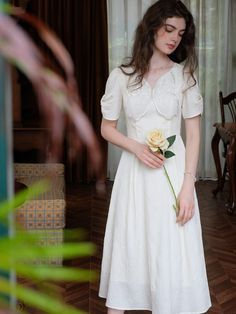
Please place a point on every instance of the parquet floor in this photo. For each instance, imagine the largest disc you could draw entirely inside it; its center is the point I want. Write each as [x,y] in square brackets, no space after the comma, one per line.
[88,210]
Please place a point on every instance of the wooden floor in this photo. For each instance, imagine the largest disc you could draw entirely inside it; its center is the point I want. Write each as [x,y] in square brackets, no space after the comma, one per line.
[88,210]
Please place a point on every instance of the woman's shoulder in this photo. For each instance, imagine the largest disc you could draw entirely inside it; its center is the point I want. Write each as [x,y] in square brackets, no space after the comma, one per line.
[183,74]
[179,67]
[119,73]
[115,72]
[183,71]
[114,78]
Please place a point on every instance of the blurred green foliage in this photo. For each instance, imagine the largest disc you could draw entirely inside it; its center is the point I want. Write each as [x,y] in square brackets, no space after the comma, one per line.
[20,253]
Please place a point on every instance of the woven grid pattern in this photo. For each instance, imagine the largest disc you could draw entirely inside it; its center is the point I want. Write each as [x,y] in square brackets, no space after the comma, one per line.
[38,170]
[46,238]
[45,211]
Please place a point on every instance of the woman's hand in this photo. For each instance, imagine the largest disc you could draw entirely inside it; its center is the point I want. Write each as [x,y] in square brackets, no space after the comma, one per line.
[186,205]
[147,157]
[142,152]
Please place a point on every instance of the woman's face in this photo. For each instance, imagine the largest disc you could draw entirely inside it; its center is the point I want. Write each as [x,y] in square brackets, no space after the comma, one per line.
[168,37]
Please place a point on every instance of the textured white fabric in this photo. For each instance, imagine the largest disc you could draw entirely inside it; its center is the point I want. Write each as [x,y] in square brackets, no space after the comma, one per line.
[149,261]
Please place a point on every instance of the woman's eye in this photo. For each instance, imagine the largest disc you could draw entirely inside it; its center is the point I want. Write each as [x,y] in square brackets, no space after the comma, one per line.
[169,30]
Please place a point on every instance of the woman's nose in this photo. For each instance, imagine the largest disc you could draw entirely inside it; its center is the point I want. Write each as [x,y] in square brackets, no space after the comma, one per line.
[175,36]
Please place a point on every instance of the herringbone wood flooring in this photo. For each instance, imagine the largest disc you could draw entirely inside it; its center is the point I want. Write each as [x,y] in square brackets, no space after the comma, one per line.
[88,210]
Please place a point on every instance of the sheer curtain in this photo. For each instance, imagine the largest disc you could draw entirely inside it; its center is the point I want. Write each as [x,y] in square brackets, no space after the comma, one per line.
[214,32]
[123,17]
[215,22]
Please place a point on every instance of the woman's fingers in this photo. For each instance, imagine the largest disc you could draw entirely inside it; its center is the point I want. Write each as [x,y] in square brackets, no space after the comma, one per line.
[185,214]
[185,205]
[160,156]
[153,160]
[150,159]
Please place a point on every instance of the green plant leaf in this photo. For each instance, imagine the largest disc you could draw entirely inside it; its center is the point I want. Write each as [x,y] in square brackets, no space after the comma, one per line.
[19,250]
[74,234]
[169,154]
[9,206]
[42,301]
[171,140]
[38,272]
[5,8]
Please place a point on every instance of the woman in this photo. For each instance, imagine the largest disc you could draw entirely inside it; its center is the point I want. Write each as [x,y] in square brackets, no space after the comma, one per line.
[153,257]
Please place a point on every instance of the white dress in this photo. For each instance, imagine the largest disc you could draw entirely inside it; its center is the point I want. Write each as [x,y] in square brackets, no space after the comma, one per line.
[149,261]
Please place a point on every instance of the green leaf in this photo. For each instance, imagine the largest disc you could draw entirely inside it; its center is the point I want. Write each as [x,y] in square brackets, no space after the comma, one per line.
[56,273]
[42,301]
[169,154]
[71,235]
[20,250]
[63,273]
[6,8]
[171,140]
[9,206]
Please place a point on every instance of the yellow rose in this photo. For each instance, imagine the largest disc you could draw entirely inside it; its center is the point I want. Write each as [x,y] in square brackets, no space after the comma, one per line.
[156,140]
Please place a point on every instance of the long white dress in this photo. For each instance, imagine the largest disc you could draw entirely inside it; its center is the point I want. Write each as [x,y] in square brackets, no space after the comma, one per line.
[149,261]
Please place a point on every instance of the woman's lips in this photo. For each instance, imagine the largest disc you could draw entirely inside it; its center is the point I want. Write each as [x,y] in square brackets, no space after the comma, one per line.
[170,46]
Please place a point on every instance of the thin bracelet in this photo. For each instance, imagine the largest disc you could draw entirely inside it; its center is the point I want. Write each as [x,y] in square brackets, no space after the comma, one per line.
[190,174]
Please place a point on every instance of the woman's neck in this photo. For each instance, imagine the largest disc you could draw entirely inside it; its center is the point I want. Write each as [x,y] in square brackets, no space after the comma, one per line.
[159,61]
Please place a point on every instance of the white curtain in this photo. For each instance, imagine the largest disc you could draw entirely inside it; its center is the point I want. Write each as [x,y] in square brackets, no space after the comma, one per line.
[216,29]
[214,32]
[123,17]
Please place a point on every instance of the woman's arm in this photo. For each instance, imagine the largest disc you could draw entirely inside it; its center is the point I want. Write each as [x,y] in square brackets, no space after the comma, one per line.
[186,195]
[142,152]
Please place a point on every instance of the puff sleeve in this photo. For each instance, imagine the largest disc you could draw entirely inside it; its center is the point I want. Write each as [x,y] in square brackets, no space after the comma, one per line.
[111,102]
[192,104]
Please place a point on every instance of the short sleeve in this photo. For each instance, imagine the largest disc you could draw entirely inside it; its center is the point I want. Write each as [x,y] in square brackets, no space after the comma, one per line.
[111,102]
[192,104]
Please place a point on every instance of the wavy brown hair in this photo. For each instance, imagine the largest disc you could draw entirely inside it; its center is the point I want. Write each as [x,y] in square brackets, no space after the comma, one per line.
[154,18]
